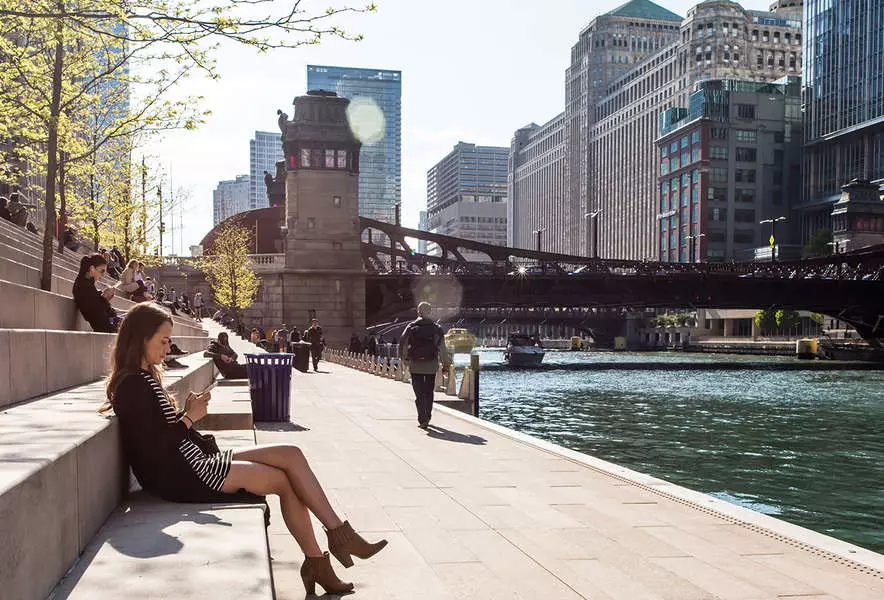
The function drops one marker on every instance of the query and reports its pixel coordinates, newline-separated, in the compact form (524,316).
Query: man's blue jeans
(423,395)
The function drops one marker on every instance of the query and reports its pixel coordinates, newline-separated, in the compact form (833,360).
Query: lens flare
(366,120)
(444,293)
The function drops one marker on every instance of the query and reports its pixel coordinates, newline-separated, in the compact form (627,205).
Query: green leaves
(228,269)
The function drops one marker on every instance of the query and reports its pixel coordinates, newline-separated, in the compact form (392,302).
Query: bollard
(437,386)
(451,388)
(465,384)
(474,365)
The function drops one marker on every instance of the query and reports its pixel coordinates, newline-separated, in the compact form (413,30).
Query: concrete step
(34,362)
(61,474)
(229,409)
(166,550)
(68,261)
(26,307)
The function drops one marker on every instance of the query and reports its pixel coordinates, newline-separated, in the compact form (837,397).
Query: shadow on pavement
(440,433)
(272,426)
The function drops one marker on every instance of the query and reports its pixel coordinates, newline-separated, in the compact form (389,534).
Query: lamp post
(595,232)
(693,241)
(538,233)
(773,235)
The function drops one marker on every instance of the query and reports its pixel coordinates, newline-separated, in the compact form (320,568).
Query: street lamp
(773,235)
(693,245)
(595,232)
(538,233)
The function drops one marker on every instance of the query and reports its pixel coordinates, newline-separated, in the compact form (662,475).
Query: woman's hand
(197,405)
(109,292)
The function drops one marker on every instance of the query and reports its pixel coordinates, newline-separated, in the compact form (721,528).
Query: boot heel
(343,557)
(309,584)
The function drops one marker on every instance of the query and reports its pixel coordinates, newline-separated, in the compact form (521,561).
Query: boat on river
(459,341)
(523,350)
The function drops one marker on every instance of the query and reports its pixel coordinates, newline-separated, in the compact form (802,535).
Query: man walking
(423,347)
(314,336)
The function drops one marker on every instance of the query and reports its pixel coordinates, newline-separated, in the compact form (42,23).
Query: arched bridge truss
(845,286)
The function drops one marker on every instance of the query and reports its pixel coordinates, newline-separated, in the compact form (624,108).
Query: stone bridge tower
(323,274)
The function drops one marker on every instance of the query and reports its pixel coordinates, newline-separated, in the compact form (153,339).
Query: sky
(474,71)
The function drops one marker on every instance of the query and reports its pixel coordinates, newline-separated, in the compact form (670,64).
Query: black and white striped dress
(211,469)
(161,449)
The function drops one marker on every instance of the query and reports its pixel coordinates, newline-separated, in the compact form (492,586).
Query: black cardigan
(94,307)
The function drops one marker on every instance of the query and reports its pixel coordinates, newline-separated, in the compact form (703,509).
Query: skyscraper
(264,150)
(230,197)
(422,226)
(466,195)
(380,170)
(843,103)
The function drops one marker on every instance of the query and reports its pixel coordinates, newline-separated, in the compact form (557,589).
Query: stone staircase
(63,480)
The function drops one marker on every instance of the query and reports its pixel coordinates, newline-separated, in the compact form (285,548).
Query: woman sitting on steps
(173,461)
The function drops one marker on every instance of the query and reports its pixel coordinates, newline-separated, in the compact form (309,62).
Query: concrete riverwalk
(473,510)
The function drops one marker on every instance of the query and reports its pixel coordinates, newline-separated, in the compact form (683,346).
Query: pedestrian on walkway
(198,305)
(281,339)
(422,347)
(172,460)
(317,342)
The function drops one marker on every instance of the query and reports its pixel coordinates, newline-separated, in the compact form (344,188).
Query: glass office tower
(380,162)
(843,102)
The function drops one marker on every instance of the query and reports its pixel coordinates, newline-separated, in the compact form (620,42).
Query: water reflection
(805,446)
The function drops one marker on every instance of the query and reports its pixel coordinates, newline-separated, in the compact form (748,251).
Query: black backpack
(423,343)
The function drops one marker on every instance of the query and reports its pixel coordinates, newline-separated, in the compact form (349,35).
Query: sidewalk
(472,510)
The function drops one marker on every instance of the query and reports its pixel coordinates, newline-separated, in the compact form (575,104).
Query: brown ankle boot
(343,541)
(318,569)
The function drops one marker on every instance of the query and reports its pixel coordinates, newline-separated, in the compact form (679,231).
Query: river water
(806,447)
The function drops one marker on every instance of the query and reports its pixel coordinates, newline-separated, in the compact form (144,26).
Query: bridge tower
(323,274)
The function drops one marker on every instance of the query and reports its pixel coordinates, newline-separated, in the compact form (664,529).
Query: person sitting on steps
(173,461)
(225,358)
(92,304)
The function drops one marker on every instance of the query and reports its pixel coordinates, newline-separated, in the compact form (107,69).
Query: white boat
(523,351)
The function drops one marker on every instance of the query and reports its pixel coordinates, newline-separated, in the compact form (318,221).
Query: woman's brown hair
(140,324)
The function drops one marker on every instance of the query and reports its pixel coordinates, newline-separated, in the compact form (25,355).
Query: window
(746,111)
(673,164)
(664,151)
(695,176)
(778,157)
(311,223)
(718,214)
(744,236)
(718,152)
(716,236)
(336,200)
(718,194)
(685,159)
(673,147)
(342,159)
(744,216)
(695,194)
(684,142)
(664,167)
(744,175)
(745,195)
(777,177)
(695,155)
(719,133)
(718,175)
(695,137)
(673,185)
(746,154)
(747,135)
(305,157)
(329,159)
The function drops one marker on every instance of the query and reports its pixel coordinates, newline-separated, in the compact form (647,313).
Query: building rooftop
(644,9)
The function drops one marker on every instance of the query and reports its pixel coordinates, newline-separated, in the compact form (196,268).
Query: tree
(787,319)
(766,320)
(228,270)
(59,56)
(819,244)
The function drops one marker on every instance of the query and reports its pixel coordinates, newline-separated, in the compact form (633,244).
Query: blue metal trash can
(270,377)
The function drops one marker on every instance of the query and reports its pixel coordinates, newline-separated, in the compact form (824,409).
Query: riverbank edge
(826,546)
